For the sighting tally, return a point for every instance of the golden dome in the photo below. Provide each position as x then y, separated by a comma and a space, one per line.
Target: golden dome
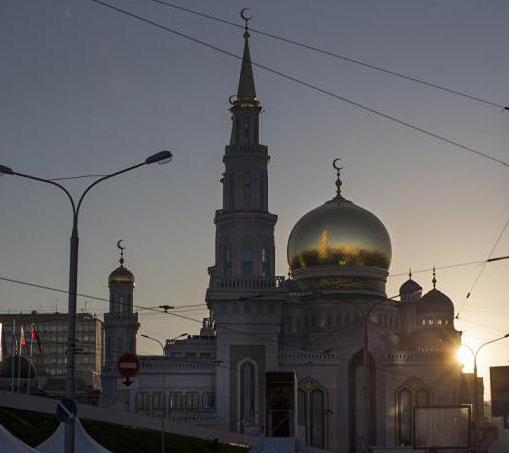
339, 233
121, 276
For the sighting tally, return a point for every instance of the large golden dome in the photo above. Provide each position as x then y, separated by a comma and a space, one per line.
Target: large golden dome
339, 233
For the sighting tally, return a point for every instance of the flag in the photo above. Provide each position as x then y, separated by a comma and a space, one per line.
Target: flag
35, 337
22, 340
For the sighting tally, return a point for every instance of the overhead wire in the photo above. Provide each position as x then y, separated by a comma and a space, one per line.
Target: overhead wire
483, 267
75, 177
334, 54
306, 84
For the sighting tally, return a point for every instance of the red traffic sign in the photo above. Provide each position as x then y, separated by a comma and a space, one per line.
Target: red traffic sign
128, 365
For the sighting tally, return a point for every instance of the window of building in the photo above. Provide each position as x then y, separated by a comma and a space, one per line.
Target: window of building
265, 262
142, 402
208, 400
301, 407
158, 401
311, 413
405, 416
228, 260
317, 413
176, 400
189, 400
247, 391
412, 393
247, 260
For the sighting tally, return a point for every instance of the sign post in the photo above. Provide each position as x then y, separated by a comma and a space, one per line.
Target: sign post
128, 366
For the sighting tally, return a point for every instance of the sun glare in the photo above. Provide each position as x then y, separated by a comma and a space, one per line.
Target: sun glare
464, 356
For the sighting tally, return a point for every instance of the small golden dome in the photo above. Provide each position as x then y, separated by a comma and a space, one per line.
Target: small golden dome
121, 276
339, 233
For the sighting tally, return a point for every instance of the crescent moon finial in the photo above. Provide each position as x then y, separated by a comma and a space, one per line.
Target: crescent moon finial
121, 248
230, 99
337, 159
244, 17
338, 177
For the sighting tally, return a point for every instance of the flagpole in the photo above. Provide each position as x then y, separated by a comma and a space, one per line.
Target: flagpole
32, 327
13, 351
19, 359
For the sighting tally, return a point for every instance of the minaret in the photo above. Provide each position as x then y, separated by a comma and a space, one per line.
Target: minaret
244, 226
120, 324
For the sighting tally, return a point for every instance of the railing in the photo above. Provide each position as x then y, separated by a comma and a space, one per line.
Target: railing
307, 356
247, 283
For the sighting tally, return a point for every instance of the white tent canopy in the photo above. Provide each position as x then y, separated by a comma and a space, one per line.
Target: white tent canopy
11, 444
82, 441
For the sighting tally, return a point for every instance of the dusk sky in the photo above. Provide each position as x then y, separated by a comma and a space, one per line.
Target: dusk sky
86, 90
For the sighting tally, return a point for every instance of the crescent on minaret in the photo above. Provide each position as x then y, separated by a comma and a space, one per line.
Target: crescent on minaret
243, 14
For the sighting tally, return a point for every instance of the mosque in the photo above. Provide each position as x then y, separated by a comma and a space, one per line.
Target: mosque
362, 361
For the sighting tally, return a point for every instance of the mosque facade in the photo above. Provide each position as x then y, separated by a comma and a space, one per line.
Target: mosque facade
362, 360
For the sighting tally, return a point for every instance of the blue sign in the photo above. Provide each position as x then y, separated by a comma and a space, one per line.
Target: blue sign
66, 410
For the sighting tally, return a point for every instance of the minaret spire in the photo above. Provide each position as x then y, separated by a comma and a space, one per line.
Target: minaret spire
245, 251
246, 90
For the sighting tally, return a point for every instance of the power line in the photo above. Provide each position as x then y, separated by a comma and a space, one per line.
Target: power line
306, 84
76, 177
488, 260
335, 55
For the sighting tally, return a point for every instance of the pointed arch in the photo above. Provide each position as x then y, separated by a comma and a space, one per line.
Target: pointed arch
247, 391
411, 393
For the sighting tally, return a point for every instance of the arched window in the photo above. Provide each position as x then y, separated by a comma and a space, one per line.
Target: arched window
312, 412
301, 408
247, 392
265, 261
247, 260
228, 260
405, 416
412, 393
317, 414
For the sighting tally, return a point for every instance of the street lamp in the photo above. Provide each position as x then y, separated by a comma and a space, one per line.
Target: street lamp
477, 412
160, 157
163, 418
154, 339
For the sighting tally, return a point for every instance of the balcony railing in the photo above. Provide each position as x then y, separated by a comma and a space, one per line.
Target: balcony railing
247, 283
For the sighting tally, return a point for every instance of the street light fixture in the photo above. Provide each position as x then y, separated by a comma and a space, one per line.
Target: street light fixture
477, 412
160, 157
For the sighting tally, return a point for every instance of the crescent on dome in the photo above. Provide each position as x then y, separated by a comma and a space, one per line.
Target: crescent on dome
230, 99
119, 244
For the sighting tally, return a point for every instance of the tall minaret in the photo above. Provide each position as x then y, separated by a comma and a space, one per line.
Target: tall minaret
120, 325
244, 226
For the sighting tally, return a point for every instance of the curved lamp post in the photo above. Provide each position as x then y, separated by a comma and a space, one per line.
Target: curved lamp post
163, 417
160, 157
477, 407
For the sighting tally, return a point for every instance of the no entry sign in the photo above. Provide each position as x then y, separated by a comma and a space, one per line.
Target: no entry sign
128, 365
